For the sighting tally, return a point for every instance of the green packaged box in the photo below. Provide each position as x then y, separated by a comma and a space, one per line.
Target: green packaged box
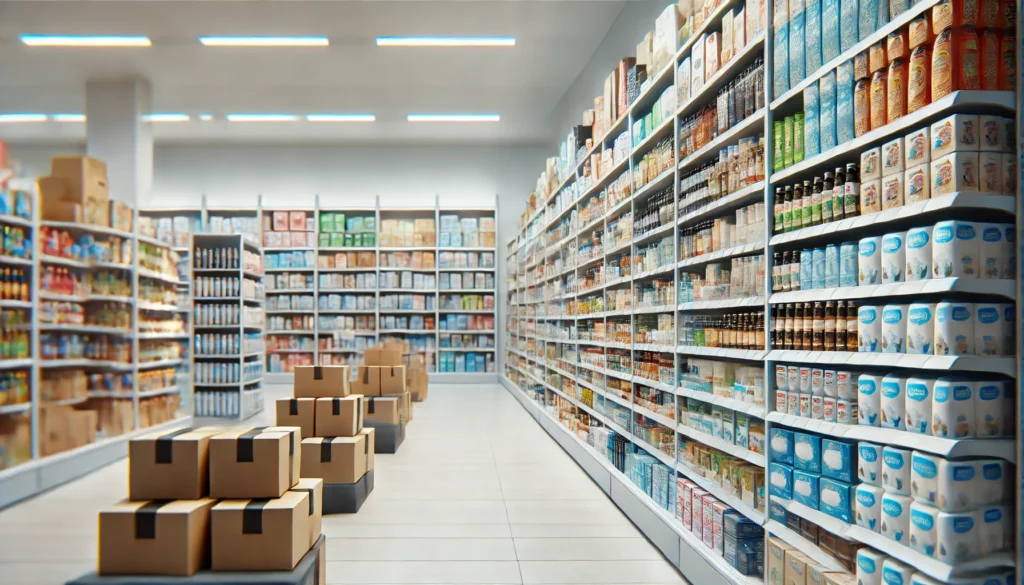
337, 240
369, 239
798, 137
348, 240
324, 240
777, 139
326, 222
787, 141
339, 222
370, 224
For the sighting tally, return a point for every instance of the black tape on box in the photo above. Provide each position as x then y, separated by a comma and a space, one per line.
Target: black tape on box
145, 519
165, 445
252, 516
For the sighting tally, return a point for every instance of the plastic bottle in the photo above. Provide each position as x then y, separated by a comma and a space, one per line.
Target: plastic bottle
851, 199
806, 208
826, 198
816, 202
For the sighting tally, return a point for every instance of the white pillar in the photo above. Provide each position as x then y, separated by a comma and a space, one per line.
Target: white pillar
117, 133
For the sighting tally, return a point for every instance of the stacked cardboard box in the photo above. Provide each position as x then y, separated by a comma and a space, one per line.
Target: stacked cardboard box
416, 379
388, 406
207, 498
335, 445
77, 191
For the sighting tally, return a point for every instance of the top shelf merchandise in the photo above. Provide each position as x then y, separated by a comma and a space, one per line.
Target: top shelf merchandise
865, 258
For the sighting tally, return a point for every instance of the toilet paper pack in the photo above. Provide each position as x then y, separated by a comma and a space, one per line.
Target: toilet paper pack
952, 408
992, 333
893, 406
920, 328
869, 566
950, 486
896, 517
869, 261
996, 250
955, 249
989, 164
954, 328
869, 400
893, 257
896, 470
869, 507
990, 397
869, 329
919, 254
894, 328
993, 487
957, 536
896, 573
919, 404
996, 530
869, 463
923, 534
838, 459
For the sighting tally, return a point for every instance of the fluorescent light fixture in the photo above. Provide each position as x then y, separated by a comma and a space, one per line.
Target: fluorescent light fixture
340, 118
167, 117
68, 117
262, 117
446, 41
85, 41
264, 41
17, 118
453, 118
205, 117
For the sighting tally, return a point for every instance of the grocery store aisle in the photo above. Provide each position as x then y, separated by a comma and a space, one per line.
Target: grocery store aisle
478, 493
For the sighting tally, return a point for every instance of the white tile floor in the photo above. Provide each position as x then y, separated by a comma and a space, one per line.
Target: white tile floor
478, 493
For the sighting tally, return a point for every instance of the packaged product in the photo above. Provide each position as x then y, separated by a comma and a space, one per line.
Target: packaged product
896, 90
861, 107
879, 99
919, 79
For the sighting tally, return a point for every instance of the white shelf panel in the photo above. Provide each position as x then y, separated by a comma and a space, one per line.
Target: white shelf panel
467, 349
15, 408
949, 448
648, 310
181, 335
15, 364
84, 329
465, 269
722, 352
663, 231
227, 356
12, 261
722, 304
969, 363
469, 331
927, 565
740, 250
59, 261
159, 364
7, 219
658, 454
723, 446
1001, 287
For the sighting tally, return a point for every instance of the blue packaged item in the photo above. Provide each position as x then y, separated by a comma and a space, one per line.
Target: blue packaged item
780, 445
844, 102
812, 132
780, 479
829, 30
805, 488
806, 269
868, 21
827, 111
807, 452
848, 27
780, 61
776, 511
832, 262
746, 555
838, 460
736, 526
818, 268
812, 37
796, 48
848, 264
835, 498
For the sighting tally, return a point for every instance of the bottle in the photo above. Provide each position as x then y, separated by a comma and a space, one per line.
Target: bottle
829, 337
778, 208
787, 209
785, 284
852, 190
807, 331
826, 198
816, 202
805, 216
839, 194
759, 331
851, 326
818, 328
773, 326
790, 325
841, 326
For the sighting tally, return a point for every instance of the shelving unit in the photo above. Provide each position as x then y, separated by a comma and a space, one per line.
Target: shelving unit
144, 393
227, 326
565, 363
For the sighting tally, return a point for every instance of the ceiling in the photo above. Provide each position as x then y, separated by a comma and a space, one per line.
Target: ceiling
554, 42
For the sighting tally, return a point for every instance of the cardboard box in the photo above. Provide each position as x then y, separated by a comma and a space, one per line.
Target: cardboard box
249, 463
367, 382
294, 450
297, 412
408, 407
335, 459
416, 379
84, 177
97, 213
383, 356
371, 443
155, 537
121, 215
796, 567
777, 561
322, 381
314, 487
392, 380
170, 465
386, 409
260, 535
53, 192
339, 417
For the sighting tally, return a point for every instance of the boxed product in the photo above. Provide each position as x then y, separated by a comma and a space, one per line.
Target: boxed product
838, 460
386, 409
805, 488
957, 133
294, 454
85, 178
807, 452
338, 460
156, 537
777, 550
836, 498
339, 417
260, 535
171, 465
796, 566
383, 356
297, 412
780, 481
367, 382
250, 463
392, 380
370, 434
957, 171
314, 486
322, 381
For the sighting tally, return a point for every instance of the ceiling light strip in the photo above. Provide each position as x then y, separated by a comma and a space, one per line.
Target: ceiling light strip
453, 118
264, 41
446, 41
167, 117
22, 117
85, 41
262, 117
340, 117
68, 117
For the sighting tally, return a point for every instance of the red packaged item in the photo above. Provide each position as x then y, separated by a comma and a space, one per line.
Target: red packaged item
989, 59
